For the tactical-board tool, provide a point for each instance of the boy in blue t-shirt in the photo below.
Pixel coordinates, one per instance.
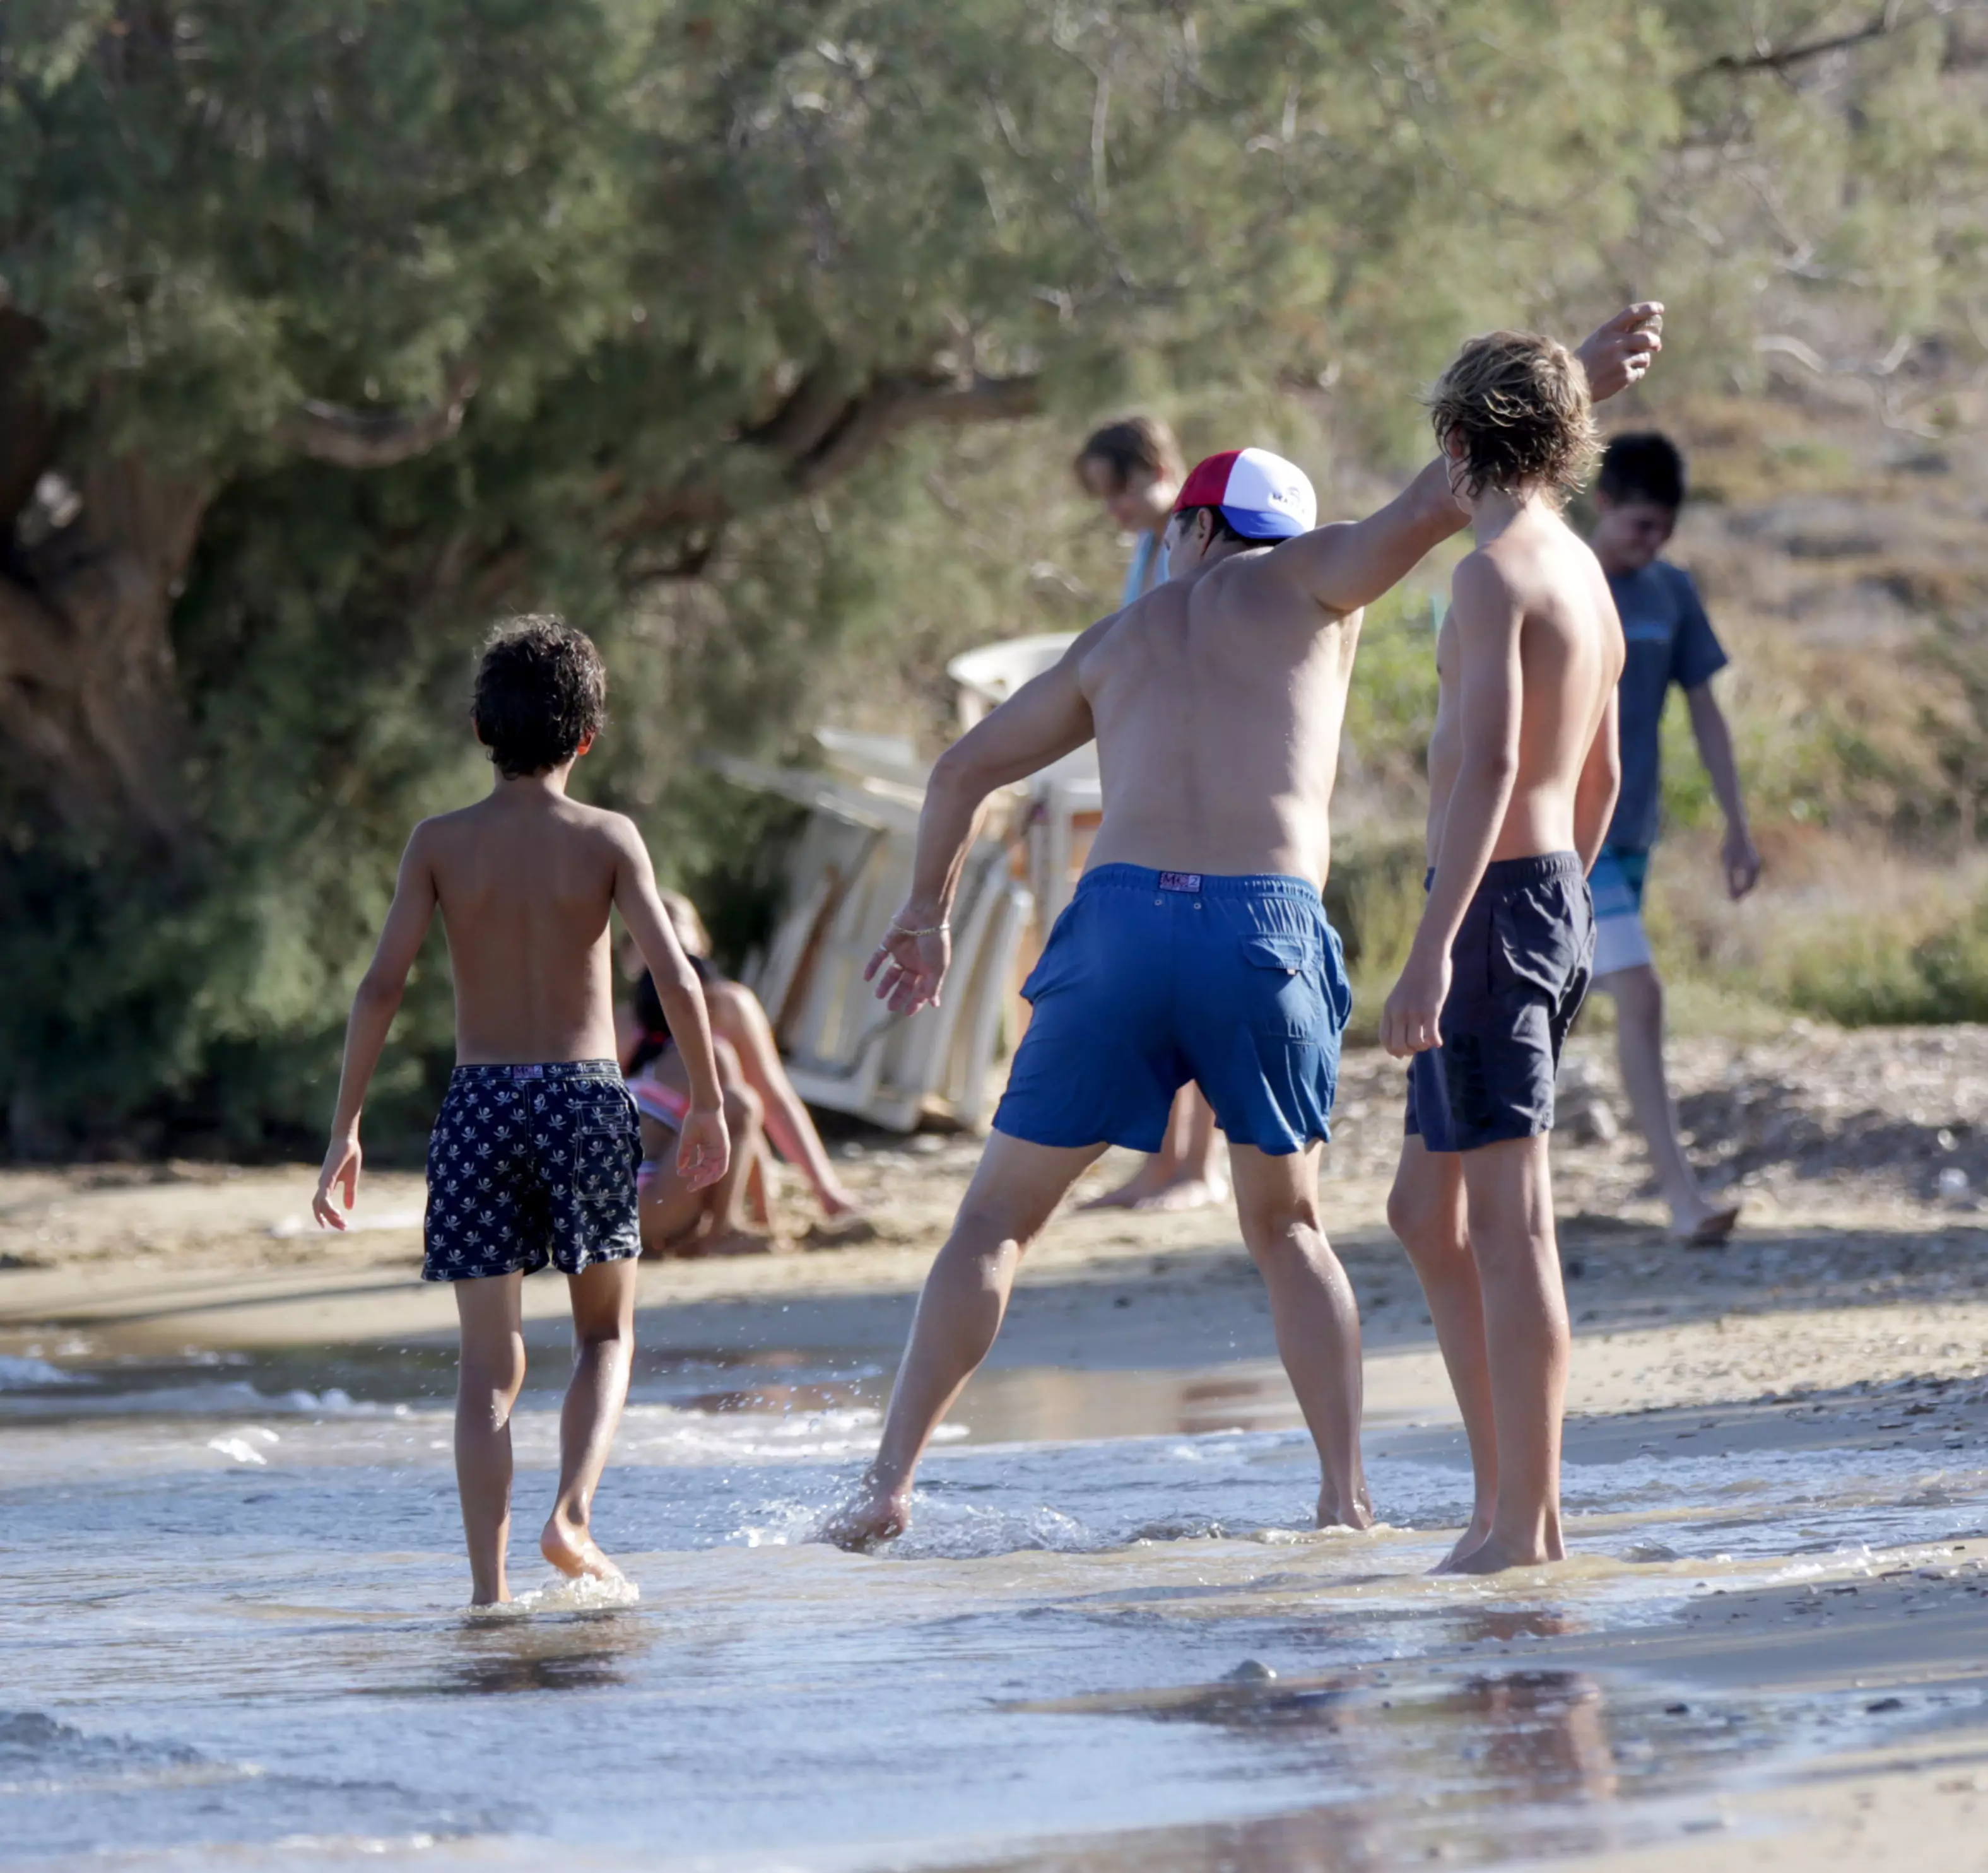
(1669, 641)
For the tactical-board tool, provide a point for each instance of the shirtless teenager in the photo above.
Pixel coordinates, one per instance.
(534, 1152)
(1523, 770)
(1196, 947)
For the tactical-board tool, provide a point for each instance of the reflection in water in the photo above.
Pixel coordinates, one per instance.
(1500, 1765)
(1544, 1736)
(1491, 1626)
(498, 1657)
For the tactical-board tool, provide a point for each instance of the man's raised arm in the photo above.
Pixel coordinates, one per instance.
(1044, 720)
(1345, 567)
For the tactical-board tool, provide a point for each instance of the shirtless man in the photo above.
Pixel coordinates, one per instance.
(1196, 947)
(534, 1152)
(1524, 772)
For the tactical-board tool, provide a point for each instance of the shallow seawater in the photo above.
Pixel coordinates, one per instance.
(229, 1632)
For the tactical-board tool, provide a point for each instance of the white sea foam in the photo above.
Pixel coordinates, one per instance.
(215, 1398)
(17, 1373)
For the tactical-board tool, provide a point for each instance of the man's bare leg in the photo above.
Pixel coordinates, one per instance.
(489, 1376)
(1013, 1194)
(1185, 1172)
(1425, 1209)
(1639, 1055)
(604, 1330)
(1509, 1200)
(1317, 1319)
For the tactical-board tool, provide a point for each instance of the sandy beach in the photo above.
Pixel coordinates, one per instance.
(1847, 1322)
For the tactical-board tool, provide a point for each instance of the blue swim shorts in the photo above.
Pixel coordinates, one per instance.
(529, 1165)
(1153, 978)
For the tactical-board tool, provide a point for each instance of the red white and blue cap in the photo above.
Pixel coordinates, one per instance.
(1261, 496)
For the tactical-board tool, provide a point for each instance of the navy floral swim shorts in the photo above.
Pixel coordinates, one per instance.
(529, 1165)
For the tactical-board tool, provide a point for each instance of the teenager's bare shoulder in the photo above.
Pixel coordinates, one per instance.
(1489, 580)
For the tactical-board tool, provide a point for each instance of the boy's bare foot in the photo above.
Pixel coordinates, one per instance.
(1147, 1189)
(1330, 1514)
(873, 1516)
(572, 1549)
(1492, 1555)
(1707, 1226)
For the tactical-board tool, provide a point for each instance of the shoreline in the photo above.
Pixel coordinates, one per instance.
(1846, 1325)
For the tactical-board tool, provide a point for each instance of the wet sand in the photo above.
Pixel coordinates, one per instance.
(1847, 1324)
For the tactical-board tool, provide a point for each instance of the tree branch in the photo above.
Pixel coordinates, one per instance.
(813, 450)
(378, 439)
(894, 405)
(1883, 26)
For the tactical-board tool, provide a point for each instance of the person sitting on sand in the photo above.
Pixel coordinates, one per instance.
(1638, 493)
(533, 1159)
(760, 1104)
(1133, 468)
(1522, 772)
(1197, 946)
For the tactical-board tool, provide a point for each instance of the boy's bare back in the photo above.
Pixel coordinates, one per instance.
(525, 880)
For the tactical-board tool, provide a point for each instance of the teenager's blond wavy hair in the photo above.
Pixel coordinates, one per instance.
(1518, 403)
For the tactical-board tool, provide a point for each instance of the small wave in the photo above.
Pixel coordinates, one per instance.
(231, 1398)
(38, 1752)
(585, 1595)
(17, 1373)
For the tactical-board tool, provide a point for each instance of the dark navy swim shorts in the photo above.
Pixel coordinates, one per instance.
(1519, 972)
(1152, 979)
(529, 1165)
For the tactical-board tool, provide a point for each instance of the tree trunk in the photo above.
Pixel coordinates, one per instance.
(89, 698)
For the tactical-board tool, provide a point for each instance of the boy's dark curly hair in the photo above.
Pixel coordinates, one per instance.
(541, 690)
(1518, 404)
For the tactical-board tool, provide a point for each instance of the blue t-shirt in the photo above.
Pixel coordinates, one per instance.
(1669, 640)
(1148, 568)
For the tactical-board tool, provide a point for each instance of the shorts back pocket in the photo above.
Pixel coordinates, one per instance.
(1281, 986)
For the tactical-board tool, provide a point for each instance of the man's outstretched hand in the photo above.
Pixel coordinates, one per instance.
(1620, 353)
(909, 965)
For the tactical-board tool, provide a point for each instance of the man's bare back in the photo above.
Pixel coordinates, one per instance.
(1217, 702)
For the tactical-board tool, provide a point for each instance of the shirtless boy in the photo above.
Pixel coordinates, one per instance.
(534, 1153)
(1197, 947)
(1523, 771)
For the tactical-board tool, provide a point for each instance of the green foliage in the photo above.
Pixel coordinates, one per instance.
(1863, 973)
(663, 233)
